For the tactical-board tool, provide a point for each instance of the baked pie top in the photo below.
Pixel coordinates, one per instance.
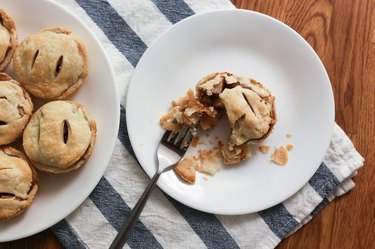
(51, 64)
(59, 137)
(249, 107)
(8, 39)
(15, 109)
(249, 115)
(18, 182)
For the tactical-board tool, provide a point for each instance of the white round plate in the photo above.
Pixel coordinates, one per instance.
(59, 195)
(249, 44)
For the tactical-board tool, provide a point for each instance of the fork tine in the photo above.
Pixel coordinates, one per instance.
(187, 138)
(180, 135)
(168, 135)
(179, 141)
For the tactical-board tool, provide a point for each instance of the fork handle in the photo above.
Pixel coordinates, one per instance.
(124, 233)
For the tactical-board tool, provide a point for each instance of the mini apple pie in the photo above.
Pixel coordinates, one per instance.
(8, 39)
(18, 182)
(248, 105)
(51, 64)
(59, 137)
(15, 109)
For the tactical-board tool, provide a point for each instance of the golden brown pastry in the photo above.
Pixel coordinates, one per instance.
(210, 161)
(8, 39)
(186, 110)
(59, 137)
(51, 64)
(15, 109)
(280, 155)
(289, 147)
(186, 169)
(18, 183)
(264, 148)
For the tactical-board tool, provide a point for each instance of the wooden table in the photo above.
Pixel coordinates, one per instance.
(342, 32)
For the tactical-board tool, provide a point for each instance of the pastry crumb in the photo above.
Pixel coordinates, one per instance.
(289, 134)
(186, 169)
(210, 161)
(289, 146)
(205, 178)
(280, 156)
(264, 148)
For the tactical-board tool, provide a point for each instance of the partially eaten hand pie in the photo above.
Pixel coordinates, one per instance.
(59, 137)
(51, 64)
(248, 105)
(8, 39)
(15, 109)
(18, 182)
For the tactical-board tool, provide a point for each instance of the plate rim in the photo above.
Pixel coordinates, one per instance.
(132, 138)
(107, 157)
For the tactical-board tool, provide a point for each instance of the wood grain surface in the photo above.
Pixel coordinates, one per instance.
(342, 32)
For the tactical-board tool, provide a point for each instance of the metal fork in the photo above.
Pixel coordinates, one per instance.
(171, 149)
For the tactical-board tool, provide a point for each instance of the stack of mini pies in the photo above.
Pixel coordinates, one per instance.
(59, 136)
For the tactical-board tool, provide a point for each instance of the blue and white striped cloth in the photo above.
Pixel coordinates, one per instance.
(126, 29)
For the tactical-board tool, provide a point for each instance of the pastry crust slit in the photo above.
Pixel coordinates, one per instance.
(237, 124)
(34, 58)
(248, 102)
(6, 195)
(21, 111)
(39, 129)
(11, 196)
(59, 65)
(66, 131)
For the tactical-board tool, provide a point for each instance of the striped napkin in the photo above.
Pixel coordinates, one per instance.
(126, 29)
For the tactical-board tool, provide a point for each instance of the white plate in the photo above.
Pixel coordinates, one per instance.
(244, 43)
(59, 195)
